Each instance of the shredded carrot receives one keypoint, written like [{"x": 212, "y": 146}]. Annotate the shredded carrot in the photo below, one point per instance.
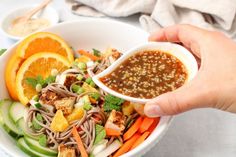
[
  {"x": 89, "y": 55},
  {"x": 79, "y": 142},
  {"x": 147, "y": 122},
  {"x": 92, "y": 100},
  {"x": 133, "y": 129},
  {"x": 140, "y": 139},
  {"x": 154, "y": 124},
  {"x": 127, "y": 145},
  {"x": 96, "y": 116}
]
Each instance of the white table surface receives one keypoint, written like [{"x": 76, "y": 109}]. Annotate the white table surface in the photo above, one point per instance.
[{"x": 198, "y": 133}]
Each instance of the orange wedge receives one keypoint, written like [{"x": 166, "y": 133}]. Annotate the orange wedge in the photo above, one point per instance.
[
  {"x": 39, "y": 64},
  {"x": 35, "y": 43}
]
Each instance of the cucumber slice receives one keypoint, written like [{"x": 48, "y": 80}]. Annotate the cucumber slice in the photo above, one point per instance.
[
  {"x": 17, "y": 111},
  {"x": 8, "y": 124},
  {"x": 22, "y": 126},
  {"x": 25, "y": 148},
  {"x": 33, "y": 144},
  {"x": 1, "y": 119}
]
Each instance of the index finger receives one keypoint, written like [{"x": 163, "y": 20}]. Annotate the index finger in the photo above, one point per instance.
[{"x": 190, "y": 36}]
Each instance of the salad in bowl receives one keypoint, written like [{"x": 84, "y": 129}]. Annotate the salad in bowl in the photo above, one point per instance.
[{"x": 56, "y": 109}]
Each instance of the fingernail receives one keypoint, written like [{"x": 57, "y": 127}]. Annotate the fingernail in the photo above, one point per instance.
[{"x": 153, "y": 110}]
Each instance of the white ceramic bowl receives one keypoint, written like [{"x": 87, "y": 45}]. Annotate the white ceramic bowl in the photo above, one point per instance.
[
  {"x": 176, "y": 50},
  {"x": 88, "y": 34},
  {"x": 48, "y": 13}
]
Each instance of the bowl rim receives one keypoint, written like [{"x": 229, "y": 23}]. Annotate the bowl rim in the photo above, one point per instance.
[
  {"x": 13, "y": 10},
  {"x": 165, "y": 121}
]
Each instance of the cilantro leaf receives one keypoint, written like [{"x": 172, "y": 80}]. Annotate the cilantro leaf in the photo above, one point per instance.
[
  {"x": 100, "y": 133},
  {"x": 39, "y": 80},
  {"x": 50, "y": 79},
  {"x": 2, "y": 51},
  {"x": 96, "y": 53},
  {"x": 112, "y": 103},
  {"x": 31, "y": 81}
]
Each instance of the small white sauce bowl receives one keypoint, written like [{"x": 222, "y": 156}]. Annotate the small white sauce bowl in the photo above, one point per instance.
[
  {"x": 176, "y": 50},
  {"x": 48, "y": 13}
]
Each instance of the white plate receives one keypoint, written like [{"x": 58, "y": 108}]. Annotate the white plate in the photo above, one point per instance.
[{"x": 88, "y": 34}]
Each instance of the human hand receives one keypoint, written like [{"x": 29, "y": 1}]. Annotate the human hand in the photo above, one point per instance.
[{"x": 215, "y": 84}]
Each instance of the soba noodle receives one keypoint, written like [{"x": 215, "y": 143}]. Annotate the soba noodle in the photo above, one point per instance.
[{"x": 86, "y": 123}]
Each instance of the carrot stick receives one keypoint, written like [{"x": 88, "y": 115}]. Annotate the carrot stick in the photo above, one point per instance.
[
  {"x": 133, "y": 129},
  {"x": 127, "y": 145},
  {"x": 79, "y": 142},
  {"x": 112, "y": 132},
  {"x": 89, "y": 55},
  {"x": 140, "y": 139},
  {"x": 147, "y": 122},
  {"x": 154, "y": 124}
]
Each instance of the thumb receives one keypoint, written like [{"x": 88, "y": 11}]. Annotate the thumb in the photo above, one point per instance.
[{"x": 190, "y": 96}]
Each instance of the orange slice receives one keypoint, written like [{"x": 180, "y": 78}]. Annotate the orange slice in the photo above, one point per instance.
[
  {"x": 35, "y": 43},
  {"x": 82, "y": 58},
  {"x": 39, "y": 64},
  {"x": 44, "y": 42},
  {"x": 10, "y": 75}
]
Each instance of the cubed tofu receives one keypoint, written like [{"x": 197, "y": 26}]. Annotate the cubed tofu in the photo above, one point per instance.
[
  {"x": 67, "y": 80},
  {"x": 48, "y": 97},
  {"x": 116, "y": 121},
  {"x": 64, "y": 151},
  {"x": 65, "y": 104},
  {"x": 59, "y": 122}
]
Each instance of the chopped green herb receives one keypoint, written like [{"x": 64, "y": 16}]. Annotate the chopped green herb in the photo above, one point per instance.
[
  {"x": 91, "y": 155},
  {"x": 112, "y": 103},
  {"x": 31, "y": 81},
  {"x": 95, "y": 96},
  {"x": 80, "y": 77},
  {"x": 82, "y": 65},
  {"x": 40, "y": 80},
  {"x": 80, "y": 91},
  {"x": 43, "y": 140},
  {"x": 38, "y": 105},
  {"x": 36, "y": 98},
  {"x": 98, "y": 61},
  {"x": 96, "y": 53},
  {"x": 87, "y": 106},
  {"x": 100, "y": 133},
  {"x": 38, "y": 87},
  {"x": 50, "y": 79},
  {"x": 88, "y": 80},
  {"x": 92, "y": 84},
  {"x": 75, "y": 88},
  {"x": 2, "y": 51}
]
